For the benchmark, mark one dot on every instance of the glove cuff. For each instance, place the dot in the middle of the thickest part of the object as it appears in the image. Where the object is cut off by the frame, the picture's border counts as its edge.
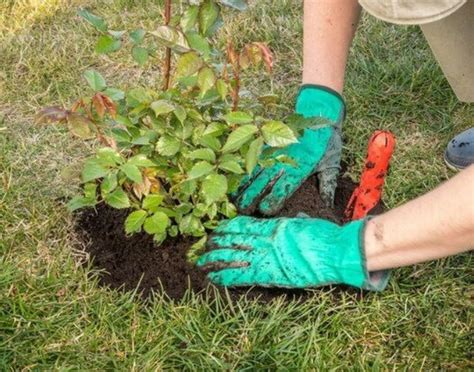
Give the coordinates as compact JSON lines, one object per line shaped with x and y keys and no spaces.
{"x":320,"y":101}
{"x":354,"y":270}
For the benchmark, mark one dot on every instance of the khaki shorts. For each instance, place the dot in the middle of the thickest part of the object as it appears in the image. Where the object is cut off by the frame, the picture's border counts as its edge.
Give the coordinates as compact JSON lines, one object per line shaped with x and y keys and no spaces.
{"x":448,"y":26}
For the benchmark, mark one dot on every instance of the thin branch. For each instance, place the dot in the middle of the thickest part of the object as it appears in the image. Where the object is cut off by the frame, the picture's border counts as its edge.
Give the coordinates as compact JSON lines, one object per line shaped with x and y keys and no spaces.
{"x":167,"y":65}
{"x":233,"y":60}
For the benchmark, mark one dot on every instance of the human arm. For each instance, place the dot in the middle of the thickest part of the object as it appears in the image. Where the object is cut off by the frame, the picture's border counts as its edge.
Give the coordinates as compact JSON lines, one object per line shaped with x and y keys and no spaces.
{"x":329,"y":27}
{"x":306,"y":252}
{"x":435,"y":225}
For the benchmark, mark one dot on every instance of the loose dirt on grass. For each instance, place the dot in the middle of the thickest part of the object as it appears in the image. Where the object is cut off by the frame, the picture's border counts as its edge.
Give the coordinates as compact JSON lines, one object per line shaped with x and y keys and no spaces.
{"x":135,"y":262}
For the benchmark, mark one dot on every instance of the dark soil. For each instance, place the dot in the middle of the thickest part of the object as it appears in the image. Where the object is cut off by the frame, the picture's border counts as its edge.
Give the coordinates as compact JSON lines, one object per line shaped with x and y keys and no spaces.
{"x":135,"y":261}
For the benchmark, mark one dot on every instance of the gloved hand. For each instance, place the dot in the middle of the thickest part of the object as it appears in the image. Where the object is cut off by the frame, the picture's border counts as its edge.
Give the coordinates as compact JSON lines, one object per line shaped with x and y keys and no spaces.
{"x":289,"y":252}
{"x":318,"y":151}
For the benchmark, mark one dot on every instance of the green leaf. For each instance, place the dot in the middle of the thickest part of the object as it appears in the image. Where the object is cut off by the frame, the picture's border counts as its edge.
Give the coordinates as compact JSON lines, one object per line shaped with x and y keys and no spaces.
{"x":214,"y":129}
{"x":94,"y":20}
{"x":114,"y":94}
{"x":200,"y":169}
{"x":216,"y":26}
{"x":160,"y":238}
{"x":138,"y":96}
{"x":199,"y":43}
{"x":157,"y":223}
{"x":118,"y":199}
{"x":230,"y":157}
{"x":168,"y":146}
{"x":137,"y":36}
{"x":208,"y":15}
{"x":161,"y":107}
{"x":172,"y":38}
{"x":108,"y":157}
{"x":132,"y":172}
{"x":93,"y":170}
{"x":195,"y":114}
{"x":188,"y":187}
{"x":180,"y":113}
{"x":236,"y":4}
{"x":206,"y":79}
{"x":140,"y":160}
{"x":107,"y":44}
{"x":233,"y":180}
{"x":78,"y":202}
{"x":109,"y":183}
{"x":95,"y":80}
{"x":221,"y":88}
{"x":228,"y":209}
{"x":140,"y":55}
{"x":239,"y":137}
{"x":90,"y":190}
{"x":253,"y":153}
{"x":188,"y":64}
{"x":189,"y":18}
{"x":211,"y":142}
{"x":231,"y":166}
{"x":191,"y":225}
{"x":152,"y":202}
{"x":134,"y":221}
{"x":287,"y":160}
{"x":184,"y":208}
{"x":211,"y":210}
{"x":202,"y":154}
{"x":277,"y":134}
{"x":169,"y":212}
{"x":80,"y":126}
{"x":173,"y":231}
{"x":196,"y":249}
{"x":238,"y":117}
{"x":214,"y":188}
{"x":199,"y":210}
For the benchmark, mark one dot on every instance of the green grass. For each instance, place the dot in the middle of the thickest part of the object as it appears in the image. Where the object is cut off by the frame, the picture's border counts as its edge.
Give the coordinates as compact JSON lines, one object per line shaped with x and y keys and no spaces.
{"x":54,"y":316}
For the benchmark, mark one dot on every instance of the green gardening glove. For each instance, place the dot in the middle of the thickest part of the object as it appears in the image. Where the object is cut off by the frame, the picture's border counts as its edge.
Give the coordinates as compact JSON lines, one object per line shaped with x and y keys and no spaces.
{"x":318,"y":151}
{"x":289,"y":252}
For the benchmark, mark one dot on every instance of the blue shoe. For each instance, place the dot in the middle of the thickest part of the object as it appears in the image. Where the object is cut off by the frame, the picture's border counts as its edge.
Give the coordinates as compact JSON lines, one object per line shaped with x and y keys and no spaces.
{"x":460,"y":151}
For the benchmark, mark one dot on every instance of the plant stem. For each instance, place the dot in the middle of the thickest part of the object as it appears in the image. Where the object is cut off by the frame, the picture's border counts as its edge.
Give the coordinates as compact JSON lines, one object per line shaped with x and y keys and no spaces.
{"x":236,"y":90}
{"x":233,"y":60}
{"x":167,"y":66}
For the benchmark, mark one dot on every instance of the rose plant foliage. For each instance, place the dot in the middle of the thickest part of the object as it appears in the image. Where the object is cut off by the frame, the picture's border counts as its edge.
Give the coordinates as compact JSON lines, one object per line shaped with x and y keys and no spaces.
{"x":174,"y":155}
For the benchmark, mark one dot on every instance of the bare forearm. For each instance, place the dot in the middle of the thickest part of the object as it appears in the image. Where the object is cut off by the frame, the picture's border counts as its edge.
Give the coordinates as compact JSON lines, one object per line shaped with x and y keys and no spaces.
{"x":435,"y":225}
{"x":329,"y":27}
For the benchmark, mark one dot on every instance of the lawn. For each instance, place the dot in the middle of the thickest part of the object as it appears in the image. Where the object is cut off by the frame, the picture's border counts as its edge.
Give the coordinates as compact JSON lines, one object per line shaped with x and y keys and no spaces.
{"x":53,"y":315}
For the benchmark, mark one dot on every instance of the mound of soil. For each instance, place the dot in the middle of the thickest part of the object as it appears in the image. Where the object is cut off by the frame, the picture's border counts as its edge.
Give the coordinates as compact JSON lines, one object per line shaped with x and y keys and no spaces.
{"x":135,"y":261}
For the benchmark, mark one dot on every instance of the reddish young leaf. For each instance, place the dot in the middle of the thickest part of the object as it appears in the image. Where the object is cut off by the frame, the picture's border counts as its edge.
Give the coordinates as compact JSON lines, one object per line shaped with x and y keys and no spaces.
{"x":110,"y":105}
{"x":52,"y":114}
{"x":78,"y":105}
{"x":266,"y":55}
{"x":232,"y":55}
{"x":99,"y":104}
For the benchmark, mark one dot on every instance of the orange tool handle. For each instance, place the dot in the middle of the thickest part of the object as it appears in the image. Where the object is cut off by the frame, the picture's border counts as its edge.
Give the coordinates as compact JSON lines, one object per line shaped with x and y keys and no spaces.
{"x":369,"y":192}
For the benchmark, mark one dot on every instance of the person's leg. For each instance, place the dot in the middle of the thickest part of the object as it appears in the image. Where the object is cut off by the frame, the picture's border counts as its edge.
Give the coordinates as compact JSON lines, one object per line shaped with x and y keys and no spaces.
{"x":452,"y":41}
{"x":435,"y":225}
{"x":329,"y":27}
